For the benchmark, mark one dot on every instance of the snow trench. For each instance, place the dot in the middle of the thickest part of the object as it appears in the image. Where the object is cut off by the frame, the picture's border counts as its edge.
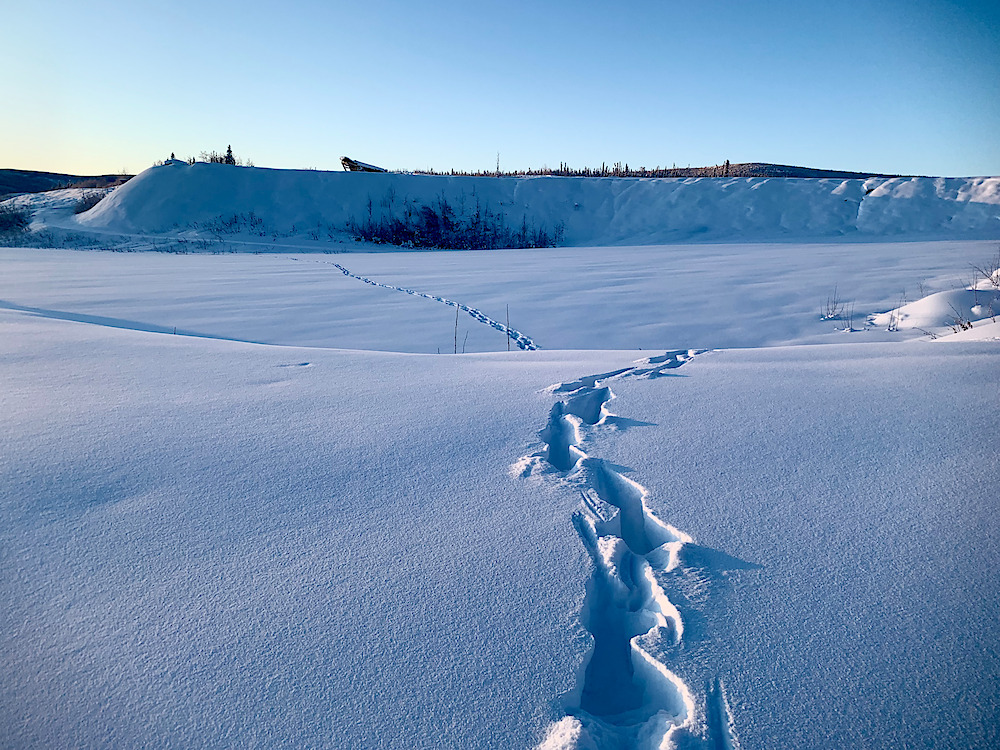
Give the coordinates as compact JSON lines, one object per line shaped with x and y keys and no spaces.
{"x":627,"y":697}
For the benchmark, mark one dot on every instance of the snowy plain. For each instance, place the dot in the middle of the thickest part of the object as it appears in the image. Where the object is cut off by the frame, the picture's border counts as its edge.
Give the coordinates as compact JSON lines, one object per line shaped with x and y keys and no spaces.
{"x":699,"y":515}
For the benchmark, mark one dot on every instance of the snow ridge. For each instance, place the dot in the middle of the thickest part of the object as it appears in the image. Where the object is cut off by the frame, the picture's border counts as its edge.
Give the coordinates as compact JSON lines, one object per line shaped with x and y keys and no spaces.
{"x":719,"y":718}
{"x":628,"y":698}
{"x":594,"y":211}
{"x":523,"y":342}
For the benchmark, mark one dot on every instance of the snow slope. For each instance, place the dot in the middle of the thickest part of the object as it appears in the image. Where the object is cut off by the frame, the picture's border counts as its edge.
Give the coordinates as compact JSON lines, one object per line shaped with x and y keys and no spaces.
{"x":216,"y":544}
{"x":213,"y":544}
{"x":594,"y":211}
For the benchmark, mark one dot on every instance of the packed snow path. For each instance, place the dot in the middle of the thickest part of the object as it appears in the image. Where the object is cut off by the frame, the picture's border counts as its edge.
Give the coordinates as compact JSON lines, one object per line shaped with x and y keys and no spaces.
{"x":628,"y":697}
{"x":522,"y":341}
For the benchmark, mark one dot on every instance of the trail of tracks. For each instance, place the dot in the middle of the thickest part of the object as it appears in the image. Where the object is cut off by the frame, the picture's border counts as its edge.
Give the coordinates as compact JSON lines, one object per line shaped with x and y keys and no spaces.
{"x":629,"y":698}
{"x":523,"y":341}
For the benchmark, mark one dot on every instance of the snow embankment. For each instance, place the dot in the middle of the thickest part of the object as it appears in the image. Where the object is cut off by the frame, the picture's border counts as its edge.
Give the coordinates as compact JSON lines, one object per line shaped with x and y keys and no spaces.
{"x":594,"y":211}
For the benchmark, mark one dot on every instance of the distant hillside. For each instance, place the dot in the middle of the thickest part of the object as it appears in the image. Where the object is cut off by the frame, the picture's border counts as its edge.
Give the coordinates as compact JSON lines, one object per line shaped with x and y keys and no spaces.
{"x":25,"y":181}
{"x":757,"y":169}
{"x":754,"y":169}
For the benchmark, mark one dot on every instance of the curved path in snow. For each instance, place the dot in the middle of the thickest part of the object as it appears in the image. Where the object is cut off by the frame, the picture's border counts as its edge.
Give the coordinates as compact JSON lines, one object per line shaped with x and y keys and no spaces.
{"x":522,"y":341}
{"x":628,"y":698}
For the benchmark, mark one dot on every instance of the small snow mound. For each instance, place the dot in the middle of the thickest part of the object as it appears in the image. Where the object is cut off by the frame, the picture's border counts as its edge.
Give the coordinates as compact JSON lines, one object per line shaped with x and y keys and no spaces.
{"x":956,"y":310}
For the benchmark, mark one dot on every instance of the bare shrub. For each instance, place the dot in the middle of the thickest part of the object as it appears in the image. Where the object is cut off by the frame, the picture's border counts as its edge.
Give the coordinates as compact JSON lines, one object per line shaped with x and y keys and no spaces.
{"x":833,"y":308}
{"x":107,"y":181}
{"x":13,"y":218}
{"x":244,"y":223}
{"x":896,"y":315}
{"x":960,"y":322}
{"x":87,"y":202}
{"x":214,"y":157}
{"x":990,"y":271}
{"x":440,"y":225}
{"x":848,"y":316}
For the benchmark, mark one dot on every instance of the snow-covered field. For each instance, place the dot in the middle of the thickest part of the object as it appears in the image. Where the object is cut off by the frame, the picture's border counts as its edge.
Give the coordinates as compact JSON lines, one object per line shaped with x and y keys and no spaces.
{"x":708,"y":500}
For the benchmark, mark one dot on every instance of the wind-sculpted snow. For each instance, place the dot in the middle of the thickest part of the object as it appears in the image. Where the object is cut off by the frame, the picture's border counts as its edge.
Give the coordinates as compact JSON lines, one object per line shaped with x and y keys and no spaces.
{"x":719,"y":718}
{"x":218,"y":544}
{"x":593,"y":211}
{"x":522,"y":341}
{"x":629,"y":697}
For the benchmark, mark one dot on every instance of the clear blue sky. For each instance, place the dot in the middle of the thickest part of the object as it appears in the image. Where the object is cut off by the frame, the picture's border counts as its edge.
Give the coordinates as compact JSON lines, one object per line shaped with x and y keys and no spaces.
{"x":901,"y":86}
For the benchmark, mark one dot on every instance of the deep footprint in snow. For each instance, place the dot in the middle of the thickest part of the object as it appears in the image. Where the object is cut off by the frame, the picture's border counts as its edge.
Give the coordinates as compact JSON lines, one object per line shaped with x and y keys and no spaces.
{"x":561,"y":438}
{"x":628,"y":698}
{"x":590,"y":406}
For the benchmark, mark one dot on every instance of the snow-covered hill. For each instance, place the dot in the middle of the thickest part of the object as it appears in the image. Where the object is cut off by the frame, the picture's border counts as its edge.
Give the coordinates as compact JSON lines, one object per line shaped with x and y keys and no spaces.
{"x":594,"y":211}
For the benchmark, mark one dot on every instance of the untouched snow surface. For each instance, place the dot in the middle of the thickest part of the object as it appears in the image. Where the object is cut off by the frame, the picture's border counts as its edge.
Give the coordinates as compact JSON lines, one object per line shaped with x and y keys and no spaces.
{"x":594,"y":211}
{"x":221,"y":544}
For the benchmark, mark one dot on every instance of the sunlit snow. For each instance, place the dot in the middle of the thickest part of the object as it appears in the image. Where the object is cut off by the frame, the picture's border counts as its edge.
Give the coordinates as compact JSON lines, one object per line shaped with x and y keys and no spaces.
{"x":741,"y":495}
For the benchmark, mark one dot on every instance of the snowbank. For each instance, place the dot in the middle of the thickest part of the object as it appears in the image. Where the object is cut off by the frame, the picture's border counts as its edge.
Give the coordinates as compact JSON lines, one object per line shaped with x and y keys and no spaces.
{"x":594,"y":211}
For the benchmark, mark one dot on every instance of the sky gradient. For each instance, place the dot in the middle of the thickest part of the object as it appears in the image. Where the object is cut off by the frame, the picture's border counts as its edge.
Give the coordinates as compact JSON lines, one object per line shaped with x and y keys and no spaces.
{"x":896,"y":87}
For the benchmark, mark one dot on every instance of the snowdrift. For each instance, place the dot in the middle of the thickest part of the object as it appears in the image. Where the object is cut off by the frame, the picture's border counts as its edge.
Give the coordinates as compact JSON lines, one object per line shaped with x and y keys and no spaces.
{"x":594,"y":211}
